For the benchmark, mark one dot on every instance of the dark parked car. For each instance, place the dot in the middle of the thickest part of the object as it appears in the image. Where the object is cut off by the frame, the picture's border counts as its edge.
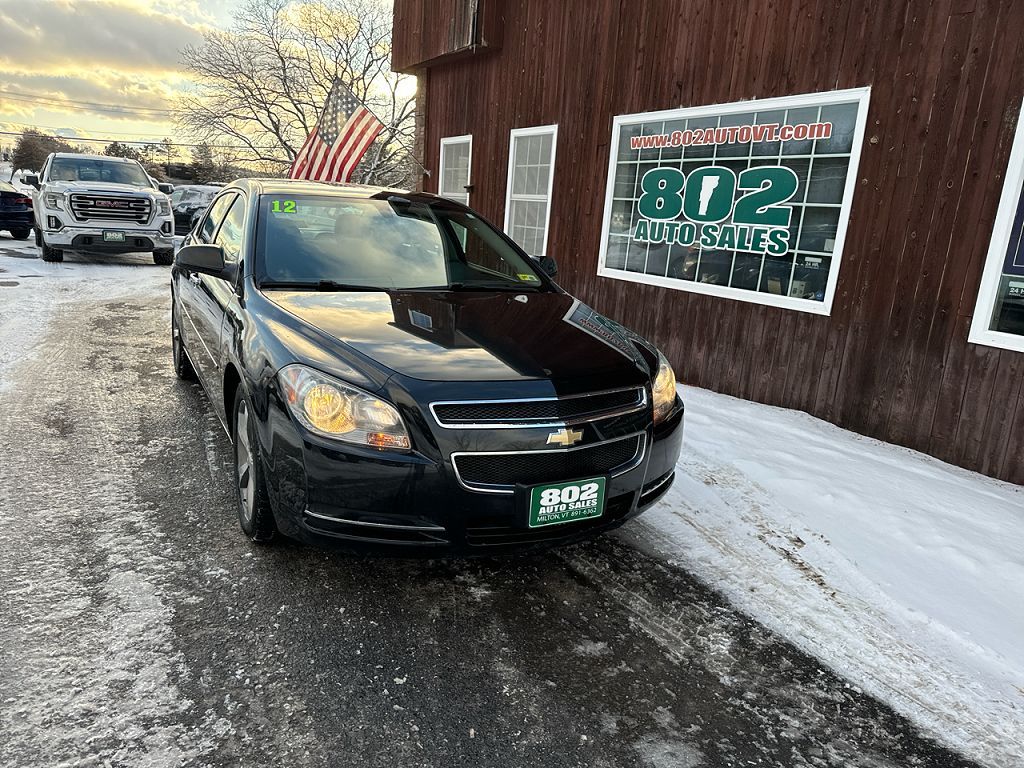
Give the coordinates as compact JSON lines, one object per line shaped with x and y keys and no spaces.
{"x":188,"y":203}
{"x":15,"y":212}
{"x":396,"y":373}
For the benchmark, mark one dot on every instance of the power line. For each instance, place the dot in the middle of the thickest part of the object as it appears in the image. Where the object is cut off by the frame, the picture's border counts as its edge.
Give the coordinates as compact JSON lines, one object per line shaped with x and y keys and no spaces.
{"x":96,"y":106}
{"x":64,"y":128}
{"x":144,"y":143}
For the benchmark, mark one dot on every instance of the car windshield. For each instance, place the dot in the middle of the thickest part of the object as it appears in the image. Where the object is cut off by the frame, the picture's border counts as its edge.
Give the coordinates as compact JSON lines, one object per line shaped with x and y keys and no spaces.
{"x":387,"y":241}
{"x":94,"y":169}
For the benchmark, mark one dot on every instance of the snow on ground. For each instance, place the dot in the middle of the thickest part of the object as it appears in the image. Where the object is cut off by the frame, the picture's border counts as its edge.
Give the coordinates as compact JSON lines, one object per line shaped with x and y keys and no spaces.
{"x":902,"y":573}
{"x":32,"y":289}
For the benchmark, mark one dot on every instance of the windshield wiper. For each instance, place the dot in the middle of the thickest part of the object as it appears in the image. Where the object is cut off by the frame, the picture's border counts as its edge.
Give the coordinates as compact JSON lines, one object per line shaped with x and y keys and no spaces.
{"x":513,"y":287}
{"x":319,"y":285}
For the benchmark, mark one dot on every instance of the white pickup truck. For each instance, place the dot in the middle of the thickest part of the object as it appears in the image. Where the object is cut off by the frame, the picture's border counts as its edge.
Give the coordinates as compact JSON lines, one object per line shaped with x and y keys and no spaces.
{"x":100,"y":204}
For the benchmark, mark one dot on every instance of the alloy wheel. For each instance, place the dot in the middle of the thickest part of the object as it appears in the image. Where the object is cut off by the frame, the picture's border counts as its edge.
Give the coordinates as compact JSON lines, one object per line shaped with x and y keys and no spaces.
{"x":243,"y":462}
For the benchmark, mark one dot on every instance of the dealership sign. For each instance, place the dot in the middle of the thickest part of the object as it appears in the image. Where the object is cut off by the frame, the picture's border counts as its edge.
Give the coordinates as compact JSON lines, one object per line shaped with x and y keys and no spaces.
{"x":747,"y":200}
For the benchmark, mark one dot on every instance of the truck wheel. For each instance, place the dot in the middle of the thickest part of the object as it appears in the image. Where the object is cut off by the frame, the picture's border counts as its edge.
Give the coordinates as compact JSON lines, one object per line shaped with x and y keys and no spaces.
{"x":20,"y":234}
{"x":254,"y":514}
{"x":52,"y":254}
{"x":164,"y":257}
{"x":39,"y":235}
{"x":182,"y":365}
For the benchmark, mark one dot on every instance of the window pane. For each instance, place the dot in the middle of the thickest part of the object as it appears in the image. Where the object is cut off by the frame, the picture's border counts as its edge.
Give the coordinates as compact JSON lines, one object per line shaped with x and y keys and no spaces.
{"x":455,"y":175}
{"x":799,"y":117}
{"x":828,"y":178}
{"x":844,"y":119}
{"x":818,"y":232}
{"x":229,"y":236}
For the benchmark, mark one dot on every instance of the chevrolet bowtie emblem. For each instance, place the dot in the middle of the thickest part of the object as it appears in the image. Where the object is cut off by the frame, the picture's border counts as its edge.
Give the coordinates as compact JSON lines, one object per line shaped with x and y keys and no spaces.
{"x":565,"y":437}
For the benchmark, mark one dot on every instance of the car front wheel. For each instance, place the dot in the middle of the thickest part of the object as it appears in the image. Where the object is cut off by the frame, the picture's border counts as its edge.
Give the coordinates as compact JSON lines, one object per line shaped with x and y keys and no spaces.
{"x":254,"y":514}
{"x":51,"y":254}
{"x":20,"y":234}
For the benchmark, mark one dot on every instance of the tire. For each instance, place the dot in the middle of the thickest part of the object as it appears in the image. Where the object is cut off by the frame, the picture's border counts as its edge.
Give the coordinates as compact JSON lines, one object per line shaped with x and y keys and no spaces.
{"x":51,"y":254}
{"x":39,"y":235}
{"x":182,"y":365}
{"x":163,"y":257}
{"x":255,"y":516}
{"x":20,"y":234}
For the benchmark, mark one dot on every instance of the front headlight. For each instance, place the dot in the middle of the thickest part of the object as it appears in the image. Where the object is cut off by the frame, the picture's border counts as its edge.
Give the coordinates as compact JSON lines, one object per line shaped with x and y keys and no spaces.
{"x":165,"y":207}
{"x":340,"y":411}
{"x":664,"y":390}
{"x":54,"y":201}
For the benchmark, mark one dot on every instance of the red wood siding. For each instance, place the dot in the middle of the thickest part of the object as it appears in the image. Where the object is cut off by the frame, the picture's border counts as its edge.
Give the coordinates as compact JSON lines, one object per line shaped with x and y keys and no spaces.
{"x":427,"y":31}
{"x":947,"y":79}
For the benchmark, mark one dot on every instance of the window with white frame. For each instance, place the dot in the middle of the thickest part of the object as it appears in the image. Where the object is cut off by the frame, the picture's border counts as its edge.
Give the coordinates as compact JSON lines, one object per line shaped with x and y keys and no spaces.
{"x":999,"y":315}
{"x":748,"y":200}
{"x":456,"y":161}
{"x":531,"y":174}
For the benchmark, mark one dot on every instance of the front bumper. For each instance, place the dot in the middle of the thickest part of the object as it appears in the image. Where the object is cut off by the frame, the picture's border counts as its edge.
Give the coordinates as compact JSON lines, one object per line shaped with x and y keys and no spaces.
{"x":359,"y":499}
{"x":90,"y":239}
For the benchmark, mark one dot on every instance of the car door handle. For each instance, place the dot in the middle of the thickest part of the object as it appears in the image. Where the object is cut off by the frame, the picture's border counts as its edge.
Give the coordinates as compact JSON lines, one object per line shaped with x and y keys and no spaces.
{"x":195,"y":279}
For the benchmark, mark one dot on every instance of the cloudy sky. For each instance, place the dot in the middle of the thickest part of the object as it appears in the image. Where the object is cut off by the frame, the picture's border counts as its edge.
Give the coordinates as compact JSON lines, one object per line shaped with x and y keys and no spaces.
{"x":98,"y":67}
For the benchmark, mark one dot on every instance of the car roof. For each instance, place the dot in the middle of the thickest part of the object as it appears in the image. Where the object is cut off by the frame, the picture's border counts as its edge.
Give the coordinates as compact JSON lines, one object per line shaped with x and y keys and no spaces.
{"x":300,"y":186}
{"x":85,"y":156}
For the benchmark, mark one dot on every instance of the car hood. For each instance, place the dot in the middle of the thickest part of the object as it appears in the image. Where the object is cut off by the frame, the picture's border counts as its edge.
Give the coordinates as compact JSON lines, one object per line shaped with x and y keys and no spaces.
{"x":98,"y":188}
{"x":448,"y":336}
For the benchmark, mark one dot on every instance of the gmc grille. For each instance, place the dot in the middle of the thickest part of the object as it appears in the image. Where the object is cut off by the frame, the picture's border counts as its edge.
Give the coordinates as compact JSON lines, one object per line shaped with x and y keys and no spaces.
{"x":538,"y":411}
{"x":111,"y":208}
{"x":499,"y":472}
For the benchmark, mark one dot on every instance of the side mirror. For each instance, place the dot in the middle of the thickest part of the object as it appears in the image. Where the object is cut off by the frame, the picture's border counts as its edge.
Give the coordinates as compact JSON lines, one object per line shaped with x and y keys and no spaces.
{"x":206,"y":259}
{"x":32,"y":180}
{"x":547,"y":265}
{"x":165,"y":188}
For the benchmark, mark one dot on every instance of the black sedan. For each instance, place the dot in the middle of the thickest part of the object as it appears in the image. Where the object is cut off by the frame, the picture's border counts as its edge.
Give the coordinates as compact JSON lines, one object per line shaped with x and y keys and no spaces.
{"x":396,"y":373}
{"x":188,"y":202}
{"x":15,"y":212}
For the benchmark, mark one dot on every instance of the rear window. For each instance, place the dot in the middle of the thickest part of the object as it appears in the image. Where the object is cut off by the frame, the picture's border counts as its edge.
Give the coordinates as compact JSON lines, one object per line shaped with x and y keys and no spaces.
{"x":388,"y":241}
{"x":5,"y":187}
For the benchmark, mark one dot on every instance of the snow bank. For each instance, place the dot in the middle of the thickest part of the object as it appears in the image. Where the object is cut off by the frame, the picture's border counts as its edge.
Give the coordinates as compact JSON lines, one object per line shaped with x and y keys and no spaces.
{"x":902,"y":573}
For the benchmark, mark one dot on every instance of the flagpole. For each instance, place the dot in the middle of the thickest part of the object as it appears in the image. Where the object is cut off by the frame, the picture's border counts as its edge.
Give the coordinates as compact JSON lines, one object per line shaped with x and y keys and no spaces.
{"x":394,"y":138}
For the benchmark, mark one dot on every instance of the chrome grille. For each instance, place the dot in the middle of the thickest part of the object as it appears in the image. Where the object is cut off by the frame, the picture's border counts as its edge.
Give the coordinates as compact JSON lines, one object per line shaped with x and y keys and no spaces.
{"x":538,"y":412}
{"x":87,"y":207}
{"x":501,"y":471}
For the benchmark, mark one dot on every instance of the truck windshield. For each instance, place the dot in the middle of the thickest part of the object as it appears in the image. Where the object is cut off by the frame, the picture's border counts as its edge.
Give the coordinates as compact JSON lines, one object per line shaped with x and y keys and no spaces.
{"x":93,"y":169}
{"x":389,"y":242}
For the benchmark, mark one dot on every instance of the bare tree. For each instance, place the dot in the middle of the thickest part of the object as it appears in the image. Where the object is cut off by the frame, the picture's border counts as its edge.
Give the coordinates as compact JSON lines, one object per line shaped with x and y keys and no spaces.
{"x":262,"y":83}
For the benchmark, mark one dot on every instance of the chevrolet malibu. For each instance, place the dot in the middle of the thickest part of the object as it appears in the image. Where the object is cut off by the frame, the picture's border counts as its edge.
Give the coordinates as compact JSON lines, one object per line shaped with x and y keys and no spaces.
{"x":397,"y":375}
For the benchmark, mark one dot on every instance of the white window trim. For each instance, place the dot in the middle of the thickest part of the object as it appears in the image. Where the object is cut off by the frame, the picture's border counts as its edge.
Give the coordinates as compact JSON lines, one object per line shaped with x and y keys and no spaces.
{"x":1001,"y":230}
{"x":860,"y":95}
{"x":515,"y":133}
{"x":465,"y":139}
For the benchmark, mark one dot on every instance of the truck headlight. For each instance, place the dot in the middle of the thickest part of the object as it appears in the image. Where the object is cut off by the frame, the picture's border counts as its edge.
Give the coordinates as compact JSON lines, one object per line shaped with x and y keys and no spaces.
{"x":664,"y":390}
{"x":54,"y":201}
{"x":165,"y":207}
{"x":331,"y":408}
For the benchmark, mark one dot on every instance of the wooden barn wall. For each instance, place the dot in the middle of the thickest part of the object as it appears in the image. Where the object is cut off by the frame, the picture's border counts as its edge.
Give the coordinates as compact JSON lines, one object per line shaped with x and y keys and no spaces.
{"x":947,"y":79}
{"x":425,"y":30}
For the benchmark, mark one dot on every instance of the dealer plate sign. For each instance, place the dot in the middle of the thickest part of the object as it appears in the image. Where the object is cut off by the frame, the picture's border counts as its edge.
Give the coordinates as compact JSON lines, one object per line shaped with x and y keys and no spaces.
{"x":566,"y":502}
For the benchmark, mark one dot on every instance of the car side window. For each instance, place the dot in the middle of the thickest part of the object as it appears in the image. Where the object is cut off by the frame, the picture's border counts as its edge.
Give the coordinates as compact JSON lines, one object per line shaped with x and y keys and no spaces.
{"x":229,"y":236}
{"x":214,"y":217}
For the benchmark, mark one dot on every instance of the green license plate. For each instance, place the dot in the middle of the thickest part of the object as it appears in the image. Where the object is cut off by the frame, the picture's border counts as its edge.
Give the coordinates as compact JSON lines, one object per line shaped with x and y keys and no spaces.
{"x":113,"y":237}
{"x":566,"y":502}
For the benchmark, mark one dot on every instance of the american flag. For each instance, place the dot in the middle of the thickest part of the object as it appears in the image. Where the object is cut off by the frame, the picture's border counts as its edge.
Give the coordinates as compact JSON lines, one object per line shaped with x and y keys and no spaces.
{"x":345,"y":131}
